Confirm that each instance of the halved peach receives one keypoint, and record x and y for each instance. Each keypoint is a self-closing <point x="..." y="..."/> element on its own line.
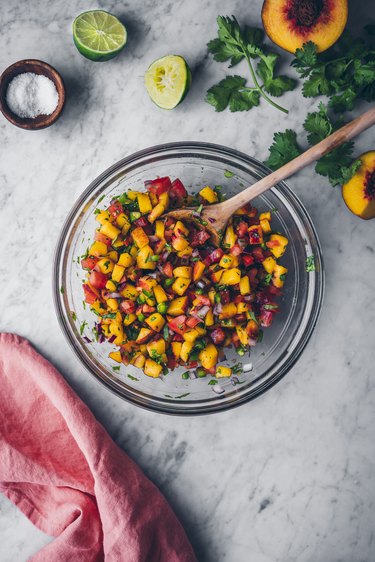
<point x="359" y="192"/>
<point x="291" y="23"/>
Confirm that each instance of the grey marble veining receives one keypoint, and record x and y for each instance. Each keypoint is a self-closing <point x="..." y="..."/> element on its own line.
<point x="289" y="477"/>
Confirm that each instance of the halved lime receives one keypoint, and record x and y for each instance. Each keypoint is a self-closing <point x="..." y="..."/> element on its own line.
<point x="168" y="81"/>
<point x="98" y="35"/>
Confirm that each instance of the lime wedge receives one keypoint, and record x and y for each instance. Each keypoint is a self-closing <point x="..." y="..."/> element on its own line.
<point x="168" y="81"/>
<point x="98" y="35"/>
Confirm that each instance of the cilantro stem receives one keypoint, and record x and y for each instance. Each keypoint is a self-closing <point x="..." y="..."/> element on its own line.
<point x="258" y="86"/>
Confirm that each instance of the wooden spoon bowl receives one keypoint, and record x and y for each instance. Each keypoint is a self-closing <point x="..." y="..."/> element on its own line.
<point x="37" y="67"/>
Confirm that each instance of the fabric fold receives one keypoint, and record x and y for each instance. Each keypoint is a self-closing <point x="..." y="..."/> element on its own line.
<point x="64" y="472"/>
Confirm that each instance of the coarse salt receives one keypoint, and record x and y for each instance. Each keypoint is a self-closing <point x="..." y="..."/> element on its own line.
<point x="29" y="95"/>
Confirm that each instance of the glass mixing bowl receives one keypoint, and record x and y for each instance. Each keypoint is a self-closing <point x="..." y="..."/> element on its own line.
<point x="197" y="165"/>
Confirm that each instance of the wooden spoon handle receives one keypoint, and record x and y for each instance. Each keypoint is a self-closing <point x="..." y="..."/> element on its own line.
<point x="347" y="132"/>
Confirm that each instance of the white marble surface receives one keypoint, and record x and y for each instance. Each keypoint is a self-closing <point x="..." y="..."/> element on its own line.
<point x="288" y="477"/>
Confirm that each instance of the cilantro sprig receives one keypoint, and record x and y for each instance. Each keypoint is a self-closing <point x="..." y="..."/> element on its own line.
<point x="338" y="165"/>
<point x="235" y="44"/>
<point x="345" y="73"/>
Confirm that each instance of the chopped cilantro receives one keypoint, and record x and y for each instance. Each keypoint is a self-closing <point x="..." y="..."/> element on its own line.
<point x="82" y="327"/>
<point x="212" y="382"/>
<point x="101" y="199"/>
<point x="116" y="368"/>
<point x="228" y="174"/>
<point x="237" y="369"/>
<point x="310" y="263"/>
<point x="133" y="378"/>
<point x="74" y="316"/>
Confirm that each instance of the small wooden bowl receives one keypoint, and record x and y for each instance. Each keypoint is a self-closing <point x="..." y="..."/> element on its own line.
<point x="37" y="67"/>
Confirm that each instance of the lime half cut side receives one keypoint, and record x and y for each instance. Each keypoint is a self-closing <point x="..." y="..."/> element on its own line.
<point x="168" y="81"/>
<point x="98" y="35"/>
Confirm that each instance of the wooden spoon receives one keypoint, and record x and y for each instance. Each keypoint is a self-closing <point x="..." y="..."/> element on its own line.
<point x="215" y="217"/>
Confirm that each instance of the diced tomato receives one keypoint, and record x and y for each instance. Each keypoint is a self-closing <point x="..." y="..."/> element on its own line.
<point x="159" y="186"/>
<point x="128" y="306"/>
<point x="90" y="296"/>
<point x="115" y="209"/>
<point x="258" y="254"/>
<point x="178" y="337"/>
<point x="99" y="237"/>
<point x="168" y="269"/>
<point x="214" y="257"/>
<point x="142" y="221"/>
<point x="169" y="222"/>
<point x="211" y="371"/>
<point x="265" y="318"/>
<point x="171" y="362"/>
<point x="147" y="309"/>
<point x="241" y="229"/>
<point x="98" y="280"/>
<point x="276" y="291"/>
<point x="272" y="243"/>
<point x="192" y="364"/>
<point x="237" y="299"/>
<point x="199" y="237"/>
<point x="192" y="321"/>
<point x="178" y="324"/>
<point x="236" y="250"/>
<point x="168" y="235"/>
<point x="225" y="297"/>
<point x="178" y="189"/>
<point x="252" y="273"/>
<point x="247" y="260"/>
<point x="89" y="263"/>
<point x="217" y="336"/>
<point x="202" y="300"/>
<point x="252" y="212"/>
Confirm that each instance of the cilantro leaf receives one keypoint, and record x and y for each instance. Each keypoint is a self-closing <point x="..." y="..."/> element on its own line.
<point x="235" y="43"/>
<point x="344" y="101"/>
<point x="284" y="148"/>
<point x="316" y="85"/>
<point x="223" y="51"/>
<point x="275" y="86"/>
<point x="230" y="92"/>
<point x="345" y="73"/>
<point x="336" y="164"/>
<point x="244" y="100"/>
<point x="318" y="125"/>
<point x="306" y="59"/>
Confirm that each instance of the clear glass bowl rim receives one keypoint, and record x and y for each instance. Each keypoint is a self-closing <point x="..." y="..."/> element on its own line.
<point x="201" y="148"/>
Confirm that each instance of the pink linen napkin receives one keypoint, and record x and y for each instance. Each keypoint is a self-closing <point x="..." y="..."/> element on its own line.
<point x="61" y="468"/>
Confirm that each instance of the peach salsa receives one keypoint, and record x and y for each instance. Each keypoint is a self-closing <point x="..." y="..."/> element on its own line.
<point x="165" y="296"/>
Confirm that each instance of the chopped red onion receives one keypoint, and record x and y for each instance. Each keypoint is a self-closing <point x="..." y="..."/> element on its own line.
<point x="112" y="339"/>
<point x="218" y="389"/>
<point x="202" y="312"/>
<point x="218" y="308"/>
<point x="114" y="296"/>
<point x="87" y="339"/>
